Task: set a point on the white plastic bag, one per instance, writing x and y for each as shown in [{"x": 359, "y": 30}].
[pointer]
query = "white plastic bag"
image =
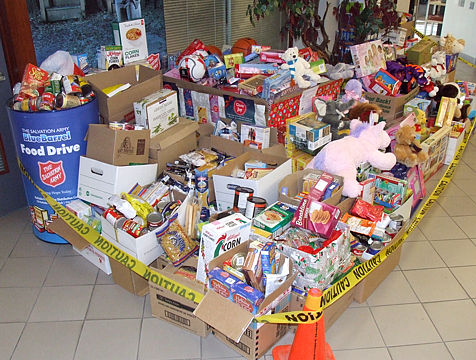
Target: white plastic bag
[{"x": 60, "y": 62}]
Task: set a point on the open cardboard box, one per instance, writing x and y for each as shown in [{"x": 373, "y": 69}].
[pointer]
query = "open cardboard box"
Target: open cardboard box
[
  {"x": 392, "y": 106},
  {"x": 294, "y": 183},
  {"x": 175, "y": 309},
  {"x": 169, "y": 145},
  {"x": 143, "y": 82},
  {"x": 98, "y": 181},
  {"x": 118, "y": 147},
  {"x": 81, "y": 246},
  {"x": 266, "y": 187},
  {"x": 213, "y": 306}
]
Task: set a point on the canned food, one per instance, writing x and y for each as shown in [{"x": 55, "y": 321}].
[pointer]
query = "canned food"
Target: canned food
[
  {"x": 133, "y": 228},
  {"x": 87, "y": 91},
  {"x": 358, "y": 250},
  {"x": 241, "y": 195},
  {"x": 67, "y": 101},
  {"x": 113, "y": 216},
  {"x": 47, "y": 102},
  {"x": 154, "y": 220},
  {"x": 238, "y": 260},
  {"x": 33, "y": 104},
  {"x": 375, "y": 247},
  {"x": 396, "y": 222},
  {"x": 254, "y": 205},
  {"x": 391, "y": 232}
]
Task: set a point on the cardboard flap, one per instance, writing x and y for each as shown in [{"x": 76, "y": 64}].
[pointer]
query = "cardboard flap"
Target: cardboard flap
[
  {"x": 169, "y": 137},
  {"x": 62, "y": 229},
  {"x": 212, "y": 309}
]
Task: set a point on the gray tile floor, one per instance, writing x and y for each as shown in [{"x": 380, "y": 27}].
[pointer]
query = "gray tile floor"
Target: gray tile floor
[{"x": 56, "y": 305}]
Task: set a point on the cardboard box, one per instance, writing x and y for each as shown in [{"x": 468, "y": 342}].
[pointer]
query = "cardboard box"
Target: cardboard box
[
  {"x": 115, "y": 108},
  {"x": 158, "y": 111},
  {"x": 169, "y": 145},
  {"x": 392, "y": 106},
  {"x": 128, "y": 279},
  {"x": 366, "y": 287},
  {"x": 132, "y": 37},
  {"x": 175, "y": 309},
  {"x": 118, "y": 147},
  {"x": 450, "y": 76},
  {"x": 409, "y": 26},
  {"x": 421, "y": 52},
  {"x": 80, "y": 245},
  {"x": 213, "y": 305},
  {"x": 294, "y": 183},
  {"x": 266, "y": 187},
  {"x": 98, "y": 181},
  {"x": 256, "y": 342},
  {"x": 145, "y": 248}
]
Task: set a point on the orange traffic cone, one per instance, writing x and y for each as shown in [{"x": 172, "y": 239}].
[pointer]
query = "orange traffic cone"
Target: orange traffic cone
[{"x": 310, "y": 340}]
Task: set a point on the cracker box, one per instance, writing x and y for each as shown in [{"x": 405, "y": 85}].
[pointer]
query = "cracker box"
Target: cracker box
[
  {"x": 158, "y": 111},
  {"x": 274, "y": 220},
  {"x": 131, "y": 36},
  {"x": 220, "y": 236},
  {"x": 320, "y": 218}
]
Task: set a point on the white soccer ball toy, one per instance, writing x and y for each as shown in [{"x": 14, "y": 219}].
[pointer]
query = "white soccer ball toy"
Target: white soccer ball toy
[{"x": 195, "y": 65}]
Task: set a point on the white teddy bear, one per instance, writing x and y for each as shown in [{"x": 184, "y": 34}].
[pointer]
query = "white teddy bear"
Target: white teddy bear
[
  {"x": 438, "y": 66},
  {"x": 298, "y": 67}
]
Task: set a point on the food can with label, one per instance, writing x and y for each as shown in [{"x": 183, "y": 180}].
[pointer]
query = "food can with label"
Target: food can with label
[
  {"x": 254, "y": 205},
  {"x": 154, "y": 220},
  {"x": 238, "y": 260},
  {"x": 358, "y": 249},
  {"x": 67, "y": 101},
  {"x": 242, "y": 194},
  {"x": 133, "y": 228},
  {"x": 113, "y": 216},
  {"x": 47, "y": 102},
  {"x": 375, "y": 247}
]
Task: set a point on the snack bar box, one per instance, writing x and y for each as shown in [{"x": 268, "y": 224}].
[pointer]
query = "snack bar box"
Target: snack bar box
[
  {"x": 98, "y": 181},
  {"x": 213, "y": 306},
  {"x": 265, "y": 187}
]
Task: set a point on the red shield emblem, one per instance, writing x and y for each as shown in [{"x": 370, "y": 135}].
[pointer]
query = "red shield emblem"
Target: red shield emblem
[{"x": 52, "y": 173}]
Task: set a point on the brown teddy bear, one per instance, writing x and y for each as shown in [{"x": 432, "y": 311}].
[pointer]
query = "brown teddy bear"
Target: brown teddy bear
[{"x": 408, "y": 150}]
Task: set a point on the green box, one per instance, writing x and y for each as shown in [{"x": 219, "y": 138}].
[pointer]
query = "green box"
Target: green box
[{"x": 421, "y": 52}]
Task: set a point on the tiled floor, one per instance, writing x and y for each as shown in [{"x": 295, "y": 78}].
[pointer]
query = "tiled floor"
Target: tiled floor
[{"x": 56, "y": 305}]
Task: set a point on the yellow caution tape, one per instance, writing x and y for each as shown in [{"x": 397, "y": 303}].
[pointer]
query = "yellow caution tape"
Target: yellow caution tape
[
  {"x": 329, "y": 296},
  {"x": 466, "y": 62}
]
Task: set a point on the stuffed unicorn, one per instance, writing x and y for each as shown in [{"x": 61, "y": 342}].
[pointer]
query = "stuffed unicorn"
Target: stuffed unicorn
[{"x": 343, "y": 156}]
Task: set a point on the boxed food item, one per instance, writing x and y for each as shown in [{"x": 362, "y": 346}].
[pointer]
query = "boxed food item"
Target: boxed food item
[
  {"x": 118, "y": 147},
  {"x": 274, "y": 220},
  {"x": 110, "y": 57},
  {"x": 318, "y": 217},
  {"x": 158, "y": 111},
  {"x": 143, "y": 81},
  {"x": 132, "y": 37},
  {"x": 218, "y": 237}
]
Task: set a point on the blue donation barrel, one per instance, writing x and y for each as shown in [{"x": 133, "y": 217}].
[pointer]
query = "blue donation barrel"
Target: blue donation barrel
[{"x": 49, "y": 145}]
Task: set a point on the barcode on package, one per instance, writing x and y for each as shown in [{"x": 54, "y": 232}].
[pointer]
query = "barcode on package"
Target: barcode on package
[{"x": 177, "y": 318}]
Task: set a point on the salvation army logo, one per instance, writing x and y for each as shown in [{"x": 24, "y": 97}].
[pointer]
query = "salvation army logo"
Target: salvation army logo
[
  {"x": 52, "y": 173},
  {"x": 239, "y": 107}
]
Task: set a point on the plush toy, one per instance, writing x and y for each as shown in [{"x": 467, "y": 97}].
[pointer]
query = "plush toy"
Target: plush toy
[
  {"x": 363, "y": 112},
  {"x": 437, "y": 70},
  {"x": 340, "y": 71},
  {"x": 298, "y": 67},
  {"x": 451, "y": 45},
  {"x": 334, "y": 114},
  {"x": 420, "y": 118},
  {"x": 342, "y": 157},
  {"x": 407, "y": 149},
  {"x": 353, "y": 91}
]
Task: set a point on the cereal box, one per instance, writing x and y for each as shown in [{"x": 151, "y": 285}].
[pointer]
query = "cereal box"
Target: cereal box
[
  {"x": 131, "y": 35},
  {"x": 220, "y": 236}
]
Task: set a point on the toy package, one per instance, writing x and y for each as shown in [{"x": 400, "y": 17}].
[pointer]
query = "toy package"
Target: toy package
[
  {"x": 389, "y": 191},
  {"x": 255, "y": 137},
  {"x": 368, "y": 58},
  {"x": 309, "y": 135},
  {"x": 385, "y": 83},
  {"x": 446, "y": 112}
]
